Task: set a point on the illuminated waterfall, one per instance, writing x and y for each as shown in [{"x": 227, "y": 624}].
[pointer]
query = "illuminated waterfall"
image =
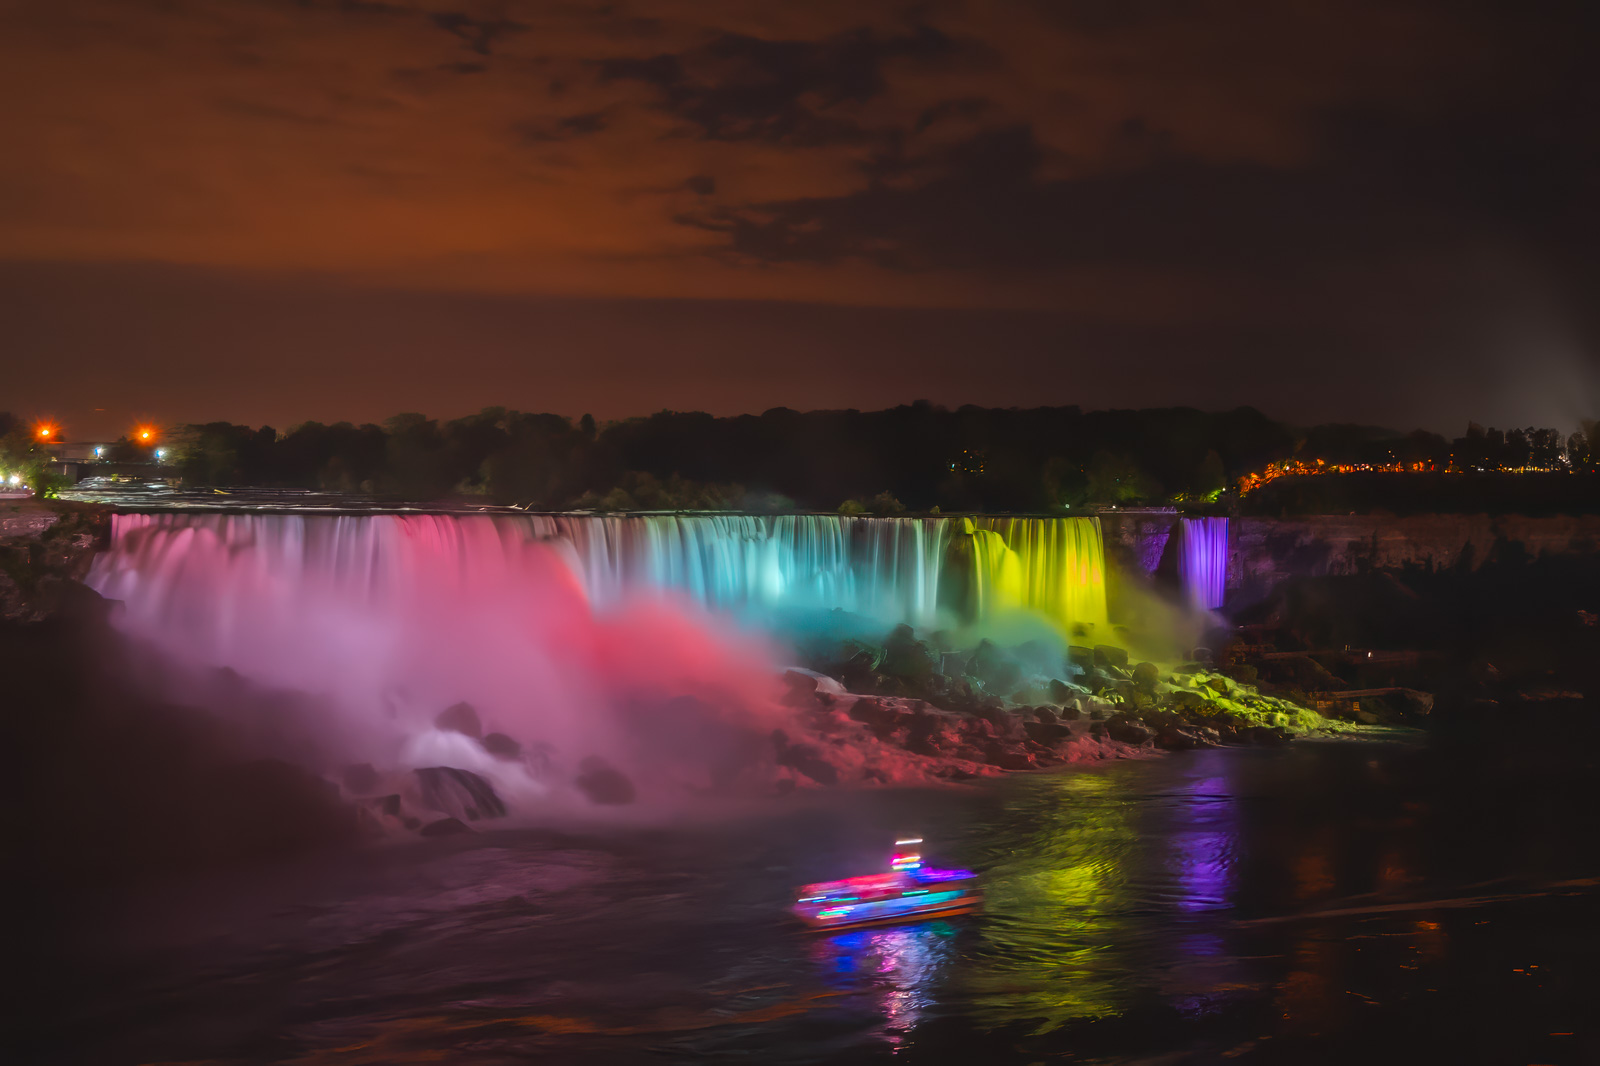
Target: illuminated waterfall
[
  {"x": 892, "y": 569},
  {"x": 1203, "y": 564}
]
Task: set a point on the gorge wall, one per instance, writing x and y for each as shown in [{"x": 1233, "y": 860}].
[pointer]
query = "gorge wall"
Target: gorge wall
[{"x": 1262, "y": 552}]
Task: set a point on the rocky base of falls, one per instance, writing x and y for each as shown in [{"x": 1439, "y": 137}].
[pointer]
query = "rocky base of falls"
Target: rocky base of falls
[{"x": 990, "y": 710}]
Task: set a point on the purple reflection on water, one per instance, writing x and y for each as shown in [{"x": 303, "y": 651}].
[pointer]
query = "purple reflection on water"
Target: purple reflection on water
[
  {"x": 1204, "y": 846},
  {"x": 898, "y": 967}
]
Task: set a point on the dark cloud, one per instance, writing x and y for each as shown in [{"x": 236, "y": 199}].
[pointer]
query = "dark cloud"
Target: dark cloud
[
  {"x": 563, "y": 129},
  {"x": 987, "y": 208},
  {"x": 738, "y": 87},
  {"x": 478, "y": 35}
]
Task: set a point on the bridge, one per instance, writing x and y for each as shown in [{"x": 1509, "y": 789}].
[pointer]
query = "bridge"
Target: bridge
[{"x": 78, "y": 469}]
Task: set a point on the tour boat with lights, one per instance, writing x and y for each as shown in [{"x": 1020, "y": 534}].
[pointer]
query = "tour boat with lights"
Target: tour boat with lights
[{"x": 910, "y": 891}]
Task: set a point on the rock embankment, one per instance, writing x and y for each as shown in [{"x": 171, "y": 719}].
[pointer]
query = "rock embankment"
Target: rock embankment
[{"x": 45, "y": 552}]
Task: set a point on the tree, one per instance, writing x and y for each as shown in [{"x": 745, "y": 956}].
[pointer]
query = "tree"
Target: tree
[{"x": 1117, "y": 479}]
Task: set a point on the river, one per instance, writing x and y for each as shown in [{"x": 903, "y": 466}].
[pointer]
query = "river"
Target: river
[{"x": 1331, "y": 902}]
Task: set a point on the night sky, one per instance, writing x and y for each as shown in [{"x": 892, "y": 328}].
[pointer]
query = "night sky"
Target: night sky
[{"x": 271, "y": 211}]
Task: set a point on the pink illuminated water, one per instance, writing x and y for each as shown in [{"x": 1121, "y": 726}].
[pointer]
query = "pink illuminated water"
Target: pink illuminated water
[{"x": 380, "y": 622}]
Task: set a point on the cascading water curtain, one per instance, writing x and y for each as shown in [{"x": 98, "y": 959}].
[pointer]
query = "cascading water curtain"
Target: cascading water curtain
[
  {"x": 1203, "y": 564},
  {"x": 1060, "y": 566},
  {"x": 892, "y": 569}
]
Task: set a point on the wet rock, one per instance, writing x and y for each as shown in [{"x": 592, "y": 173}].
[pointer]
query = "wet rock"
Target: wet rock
[
  {"x": 1185, "y": 701},
  {"x": 802, "y": 688},
  {"x": 1081, "y": 657},
  {"x": 1179, "y": 738},
  {"x": 990, "y": 666},
  {"x": 390, "y": 805},
  {"x": 456, "y": 792},
  {"x": 445, "y": 827},
  {"x": 603, "y": 783},
  {"x": 1070, "y": 712},
  {"x": 907, "y": 658},
  {"x": 460, "y": 718},
  {"x": 1046, "y": 733},
  {"x": 360, "y": 779},
  {"x": 1146, "y": 676},
  {"x": 1008, "y": 758},
  {"x": 1044, "y": 714},
  {"x": 1129, "y": 731},
  {"x": 501, "y": 746},
  {"x": 1060, "y": 691},
  {"x": 1106, "y": 655},
  {"x": 1004, "y": 722},
  {"x": 804, "y": 758},
  {"x": 1267, "y": 736}
]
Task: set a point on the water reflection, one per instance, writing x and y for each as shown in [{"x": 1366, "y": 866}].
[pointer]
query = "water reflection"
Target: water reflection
[
  {"x": 901, "y": 967},
  {"x": 1058, "y": 865}
]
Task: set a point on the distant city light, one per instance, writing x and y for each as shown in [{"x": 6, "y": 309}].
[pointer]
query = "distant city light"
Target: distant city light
[
  {"x": 45, "y": 432},
  {"x": 98, "y": 451},
  {"x": 16, "y": 480},
  {"x": 161, "y": 453}
]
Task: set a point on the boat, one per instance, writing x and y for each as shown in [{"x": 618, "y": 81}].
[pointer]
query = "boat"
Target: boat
[{"x": 910, "y": 891}]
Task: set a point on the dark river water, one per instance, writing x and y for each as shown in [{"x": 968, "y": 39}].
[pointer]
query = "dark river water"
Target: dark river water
[{"x": 1326, "y": 903}]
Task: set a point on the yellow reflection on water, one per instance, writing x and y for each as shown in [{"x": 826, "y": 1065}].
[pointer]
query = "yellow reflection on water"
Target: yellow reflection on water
[{"x": 1057, "y": 895}]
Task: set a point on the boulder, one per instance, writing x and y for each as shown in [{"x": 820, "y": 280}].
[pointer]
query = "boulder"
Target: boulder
[
  {"x": 1267, "y": 736},
  {"x": 460, "y": 718},
  {"x": 1129, "y": 731},
  {"x": 603, "y": 783},
  {"x": 1107, "y": 655},
  {"x": 907, "y": 658},
  {"x": 804, "y": 758},
  {"x": 1081, "y": 657},
  {"x": 444, "y": 827},
  {"x": 1180, "y": 738},
  {"x": 1045, "y": 714},
  {"x": 1059, "y": 691},
  {"x": 1070, "y": 712},
  {"x": 501, "y": 746},
  {"x": 1146, "y": 676},
  {"x": 990, "y": 666},
  {"x": 459, "y": 793},
  {"x": 1009, "y": 759},
  {"x": 802, "y": 688},
  {"x": 1046, "y": 733}
]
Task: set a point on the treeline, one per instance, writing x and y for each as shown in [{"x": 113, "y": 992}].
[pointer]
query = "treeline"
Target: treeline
[
  {"x": 1479, "y": 449},
  {"x": 916, "y": 456}
]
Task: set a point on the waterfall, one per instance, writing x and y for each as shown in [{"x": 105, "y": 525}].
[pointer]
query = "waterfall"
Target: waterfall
[
  {"x": 923, "y": 571},
  {"x": 1203, "y": 564},
  {"x": 577, "y": 641}
]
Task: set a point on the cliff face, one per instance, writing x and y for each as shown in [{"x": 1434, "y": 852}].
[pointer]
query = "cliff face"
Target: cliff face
[
  {"x": 45, "y": 551},
  {"x": 1265, "y": 551}
]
